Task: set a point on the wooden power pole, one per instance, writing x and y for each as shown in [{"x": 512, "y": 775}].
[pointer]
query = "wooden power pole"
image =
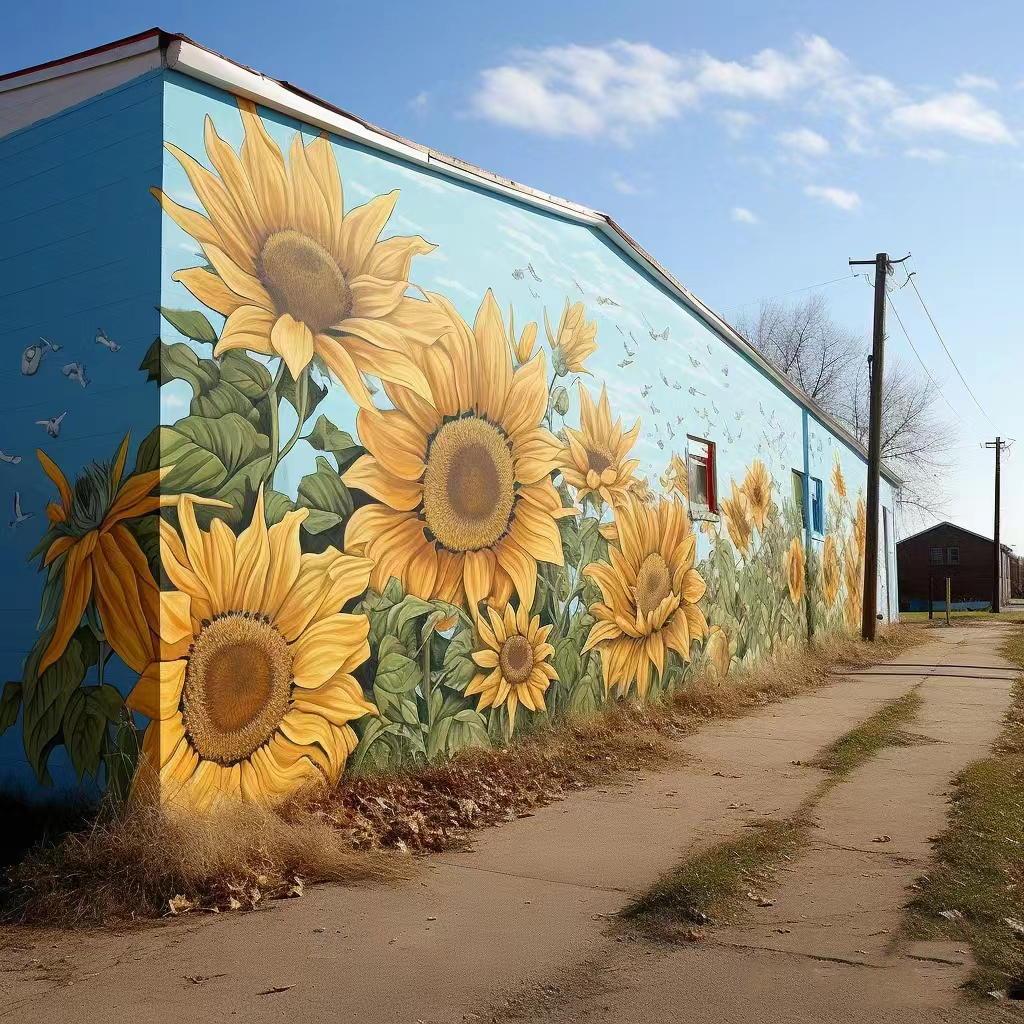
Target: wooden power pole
[
  {"x": 997, "y": 561},
  {"x": 883, "y": 267}
]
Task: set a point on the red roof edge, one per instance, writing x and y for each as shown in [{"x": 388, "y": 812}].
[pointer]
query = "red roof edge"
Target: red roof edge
[{"x": 165, "y": 36}]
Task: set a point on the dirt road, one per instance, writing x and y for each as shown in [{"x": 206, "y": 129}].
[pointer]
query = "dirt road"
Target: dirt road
[{"x": 519, "y": 925}]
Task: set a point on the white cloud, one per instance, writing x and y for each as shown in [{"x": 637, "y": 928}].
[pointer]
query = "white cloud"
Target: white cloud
[
  {"x": 929, "y": 154},
  {"x": 420, "y": 102},
  {"x": 620, "y": 184},
  {"x": 457, "y": 286},
  {"x": 736, "y": 122},
  {"x": 585, "y": 91},
  {"x": 953, "y": 113},
  {"x": 843, "y": 198},
  {"x": 969, "y": 81},
  {"x": 805, "y": 141},
  {"x": 771, "y": 75},
  {"x": 742, "y": 215}
]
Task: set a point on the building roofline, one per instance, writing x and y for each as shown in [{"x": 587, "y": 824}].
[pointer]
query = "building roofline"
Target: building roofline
[
  {"x": 946, "y": 522},
  {"x": 188, "y": 57}
]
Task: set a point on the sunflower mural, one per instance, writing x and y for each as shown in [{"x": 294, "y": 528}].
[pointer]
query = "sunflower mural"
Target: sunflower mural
[{"x": 387, "y": 524}]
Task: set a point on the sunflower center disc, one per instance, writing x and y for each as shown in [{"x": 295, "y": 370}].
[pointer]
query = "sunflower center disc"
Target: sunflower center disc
[
  {"x": 653, "y": 583},
  {"x": 304, "y": 280},
  {"x": 516, "y": 659},
  {"x": 237, "y": 687},
  {"x": 468, "y": 486},
  {"x": 600, "y": 459}
]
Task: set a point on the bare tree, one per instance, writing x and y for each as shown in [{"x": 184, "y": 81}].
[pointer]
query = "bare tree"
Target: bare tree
[
  {"x": 816, "y": 352},
  {"x": 829, "y": 363}
]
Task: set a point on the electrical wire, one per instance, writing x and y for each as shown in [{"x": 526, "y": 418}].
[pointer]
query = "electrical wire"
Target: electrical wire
[
  {"x": 935, "y": 383},
  {"x": 931, "y": 320},
  {"x": 768, "y": 298}
]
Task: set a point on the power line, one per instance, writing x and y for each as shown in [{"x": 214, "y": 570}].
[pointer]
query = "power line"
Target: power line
[
  {"x": 931, "y": 320},
  {"x": 781, "y": 295},
  {"x": 923, "y": 367}
]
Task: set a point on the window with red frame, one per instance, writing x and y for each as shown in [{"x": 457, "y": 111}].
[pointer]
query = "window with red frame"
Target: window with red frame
[{"x": 700, "y": 471}]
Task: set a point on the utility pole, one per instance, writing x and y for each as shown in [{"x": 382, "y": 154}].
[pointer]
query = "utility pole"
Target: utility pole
[
  {"x": 883, "y": 267},
  {"x": 997, "y": 561}
]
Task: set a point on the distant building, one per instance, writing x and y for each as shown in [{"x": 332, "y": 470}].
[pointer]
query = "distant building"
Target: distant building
[{"x": 926, "y": 559}]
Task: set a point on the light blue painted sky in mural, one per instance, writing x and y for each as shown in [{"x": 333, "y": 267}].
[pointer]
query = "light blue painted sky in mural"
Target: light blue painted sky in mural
[{"x": 746, "y": 176}]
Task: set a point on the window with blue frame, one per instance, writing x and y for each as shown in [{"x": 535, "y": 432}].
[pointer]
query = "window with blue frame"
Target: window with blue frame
[{"x": 817, "y": 506}]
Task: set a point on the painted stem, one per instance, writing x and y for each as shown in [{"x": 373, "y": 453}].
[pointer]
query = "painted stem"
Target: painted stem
[
  {"x": 274, "y": 426},
  {"x": 301, "y": 389}
]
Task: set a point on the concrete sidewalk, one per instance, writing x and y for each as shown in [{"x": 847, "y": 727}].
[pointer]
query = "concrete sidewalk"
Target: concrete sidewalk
[{"x": 527, "y": 906}]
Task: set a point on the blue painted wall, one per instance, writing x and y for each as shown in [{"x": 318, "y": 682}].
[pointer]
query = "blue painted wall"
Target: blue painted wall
[{"x": 79, "y": 250}]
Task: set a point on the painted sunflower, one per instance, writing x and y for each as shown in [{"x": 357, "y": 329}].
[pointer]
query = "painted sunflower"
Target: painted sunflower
[
  {"x": 464, "y": 504},
  {"x": 853, "y": 577},
  {"x": 101, "y": 558},
  {"x": 719, "y": 652},
  {"x": 574, "y": 342},
  {"x": 860, "y": 527},
  {"x": 838, "y": 483},
  {"x": 738, "y": 519},
  {"x": 294, "y": 274},
  {"x": 523, "y": 348},
  {"x": 650, "y": 591},
  {"x": 674, "y": 479},
  {"x": 251, "y": 694},
  {"x": 794, "y": 564},
  {"x": 830, "y": 570},
  {"x": 757, "y": 486},
  {"x": 597, "y": 465},
  {"x": 516, "y": 659}
]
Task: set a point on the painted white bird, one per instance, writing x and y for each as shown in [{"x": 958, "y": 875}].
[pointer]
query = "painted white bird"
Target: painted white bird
[
  {"x": 102, "y": 339},
  {"x": 14, "y": 460},
  {"x": 75, "y": 372},
  {"x": 53, "y": 424},
  {"x": 19, "y": 516},
  {"x": 50, "y": 345}
]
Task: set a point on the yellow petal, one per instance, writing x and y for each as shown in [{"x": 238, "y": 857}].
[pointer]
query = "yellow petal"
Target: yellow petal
[
  {"x": 323, "y": 647},
  {"x": 247, "y": 327},
  {"x": 52, "y": 470},
  {"x": 252, "y": 561},
  {"x": 78, "y": 578},
  {"x": 293, "y": 341},
  {"x": 157, "y": 694},
  {"x": 264, "y": 165},
  {"x": 360, "y": 230}
]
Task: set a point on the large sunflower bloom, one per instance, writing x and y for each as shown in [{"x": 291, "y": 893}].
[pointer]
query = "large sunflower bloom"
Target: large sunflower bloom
[
  {"x": 102, "y": 559},
  {"x": 294, "y": 274},
  {"x": 574, "y": 340},
  {"x": 738, "y": 518},
  {"x": 794, "y": 564},
  {"x": 464, "y": 504},
  {"x": 252, "y": 692},
  {"x": 650, "y": 593},
  {"x": 516, "y": 662},
  {"x": 597, "y": 465},
  {"x": 757, "y": 486},
  {"x": 830, "y": 570}
]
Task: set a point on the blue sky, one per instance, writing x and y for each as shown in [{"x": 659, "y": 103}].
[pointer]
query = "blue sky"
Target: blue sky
[{"x": 752, "y": 151}]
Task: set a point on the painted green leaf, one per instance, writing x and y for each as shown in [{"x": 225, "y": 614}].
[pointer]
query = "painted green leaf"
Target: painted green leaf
[
  {"x": 45, "y": 698},
  {"x": 276, "y": 505},
  {"x": 403, "y": 614},
  {"x": 566, "y": 660},
  {"x": 245, "y": 373},
  {"x": 221, "y": 399},
  {"x": 84, "y": 725},
  {"x": 570, "y": 535},
  {"x": 326, "y": 437},
  {"x": 326, "y": 497},
  {"x": 206, "y": 452},
  {"x": 458, "y": 667},
  {"x": 189, "y": 322},
  {"x": 397, "y": 673},
  {"x": 10, "y": 703},
  {"x": 314, "y": 395},
  {"x": 560, "y": 400},
  {"x": 593, "y": 547},
  {"x": 164, "y": 363}
]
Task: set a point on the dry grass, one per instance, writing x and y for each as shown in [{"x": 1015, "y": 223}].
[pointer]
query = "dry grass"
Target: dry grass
[
  {"x": 149, "y": 863},
  {"x": 130, "y": 865},
  {"x": 975, "y": 894}
]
